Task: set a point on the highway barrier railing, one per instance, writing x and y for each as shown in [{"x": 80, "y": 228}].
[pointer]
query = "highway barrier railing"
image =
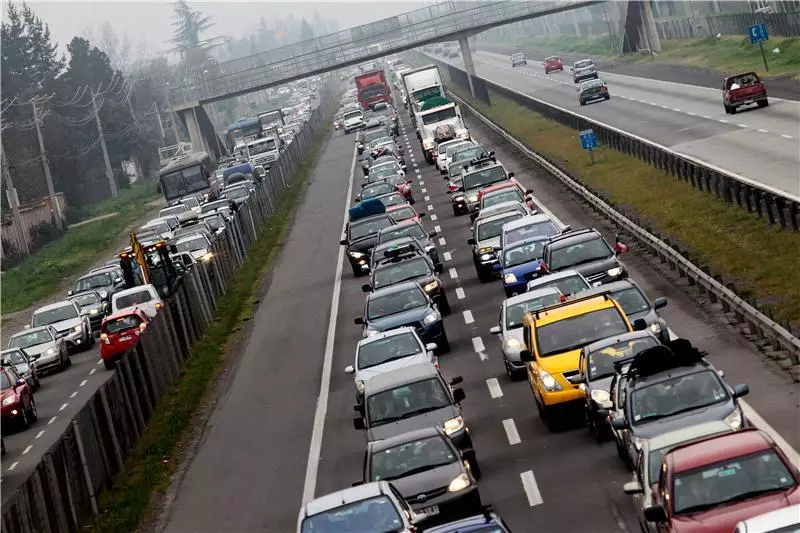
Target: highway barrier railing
[
  {"x": 779, "y": 207},
  {"x": 61, "y": 493}
]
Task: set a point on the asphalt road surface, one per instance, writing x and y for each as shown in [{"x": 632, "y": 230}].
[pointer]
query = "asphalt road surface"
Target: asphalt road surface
[
  {"x": 762, "y": 145},
  {"x": 282, "y": 429}
]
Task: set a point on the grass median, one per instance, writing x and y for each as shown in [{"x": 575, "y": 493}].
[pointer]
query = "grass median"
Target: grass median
[
  {"x": 45, "y": 271},
  {"x": 759, "y": 258},
  {"x": 146, "y": 472}
]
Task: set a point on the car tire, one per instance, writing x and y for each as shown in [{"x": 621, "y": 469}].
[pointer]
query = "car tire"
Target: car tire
[
  {"x": 23, "y": 422},
  {"x": 763, "y": 103},
  {"x": 483, "y": 276},
  {"x": 733, "y": 109},
  {"x": 608, "y": 97},
  {"x": 514, "y": 374},
  {"x": 33, "y": 414},
  {"x": 597, "y": 432},
  {"x": 110, "y": 364},
  {"x": 356, "y": 271},
  {"x": 582, "y": 102}
]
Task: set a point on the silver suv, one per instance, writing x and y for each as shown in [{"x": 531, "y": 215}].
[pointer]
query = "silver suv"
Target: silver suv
[{"x": 583, "y": 70}]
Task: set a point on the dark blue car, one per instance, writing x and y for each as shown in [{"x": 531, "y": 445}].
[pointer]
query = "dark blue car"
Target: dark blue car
[
  {"x": 520, "y": 264},
  {"x": 488, "y": 522}
]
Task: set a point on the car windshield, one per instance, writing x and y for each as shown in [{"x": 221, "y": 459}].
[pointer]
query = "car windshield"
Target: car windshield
[
  {"x": 375, "y": 190},
  {"x": 537, "y": 229},
  {"x": 515, "y": 312},
  {"x": 86, "y": 299},
  {"x": 361, "y": 229},
  {"x": 511, "y": 194},
  {"x": 462, "y": 154},
  {"x": 451, "y": 150},
  {"x": 523, "y": 253},
  {"x": 579, "y": 253},
  {"x": 632, "y": 300},
  {"x": 207, "y": 208},
  {"x": 387, "y": 349},
  {"x": 411, "y": 458},
  {"x": 93, "y": 282},
  {"x": 190, "y": 202},
  {"x": 174, "y": 210},
  {"x": 266, "y": 145},
  {"x": 438, "y": 116},
  {"x": 26, "y": 340},
  {"x": 198, "y": 243},
  {"x": 392, "y": 273},
  {"x": 215, "y": 222},
  {"x": 492, "y": 228},
  {"x": 551, "y": 59},
  {"x": 396, "y": 302},
  {"x": 600, "y": 363},
  {"x": 122, "y": 324},
  {"x": 133, "y": 299},
  {"x": 392, "y": 199},
  {"x": 374, "y": 134},
  {"x": 158, "y": 227},
  {"x": 404, "y": 402},
  {"x": 15, "y": 357},
  {"x": 484, "y": 178},
  {"x": 353, "y": 114},
  {"x": 729, "y": 481},
  {"x": 365, "y": 516},
  {"x": 567, "y": 285},
  {"x": 51, "y": 316},
  {"x": 406, "y": 230},
  {"x": 384, "y": 170},
  {"x": 404, "y": 213},
  {"x": 591, "y": 84},
  {"x": 574, "y": 332},
  {"x": 676, "y": 395}
]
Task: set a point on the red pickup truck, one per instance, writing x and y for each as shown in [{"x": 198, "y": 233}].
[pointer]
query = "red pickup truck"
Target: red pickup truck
[{"x": 743, "y": 89}]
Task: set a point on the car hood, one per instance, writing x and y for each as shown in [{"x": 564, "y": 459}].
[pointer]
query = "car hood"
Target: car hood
[
  {"x": 65, "y": 325},
  {"x": 39, "y": 349},
  {"x": 434, "y": 418},
  {"x": 397, "y": 364},
  {"x": 399, "y": 319},
  {"x": 87, "y": 310},
  {"x": 22, "y": 368},
  {"x": 724, "y": 518},
  {"x": 664, "y": 425},
  {"x": 494, "y": 242},
  {"x": 563, "y": 362},
  {"x": 524, "y": 268},
  {"x": 650, "y": 316},
  {"x": 427, "y": 481},
  {"x": 595, "y": 267}
]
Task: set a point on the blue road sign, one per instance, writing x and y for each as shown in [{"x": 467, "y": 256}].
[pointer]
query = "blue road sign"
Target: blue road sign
[
  {"x": 757, "y": 33},
  {"x": 588, "y": 140}
]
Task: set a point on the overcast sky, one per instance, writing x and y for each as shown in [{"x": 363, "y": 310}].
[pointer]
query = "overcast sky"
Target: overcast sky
[{"x": 149, "y": 22}]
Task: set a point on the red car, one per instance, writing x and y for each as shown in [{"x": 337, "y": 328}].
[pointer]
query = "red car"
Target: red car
[
  {"x": 18, "y": 406},
  {"x": 553, "y": 63},
  {"x": 401, "y": 213},
  {"x": 743, "y": 89},
  {"x": 119, "y": 332},
  {"x": 710, "y": 485}
]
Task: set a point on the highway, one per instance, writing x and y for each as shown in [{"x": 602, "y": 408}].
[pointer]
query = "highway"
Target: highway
[
  {"x": 281, "y": 429},
  {"x": 760, "y": 144}
]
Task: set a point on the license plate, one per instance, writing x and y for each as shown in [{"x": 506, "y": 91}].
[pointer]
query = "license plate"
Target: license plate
[
  {"x": 433, "y": 510},
  {"x": 125, "y": 338},
  {"x": 748, "y": 101}
]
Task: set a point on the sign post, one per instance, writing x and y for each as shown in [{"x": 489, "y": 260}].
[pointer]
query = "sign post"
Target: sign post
[
  {"x": 589, "y": 142},
  {"x": 758, "y": 34}
]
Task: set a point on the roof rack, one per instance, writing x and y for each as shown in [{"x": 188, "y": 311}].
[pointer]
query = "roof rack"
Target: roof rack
[
  {"x": 568, "y": 302},
  {"x": 673, "y": 354},
  {"x": 481, "y": 159},
  {"x": 395, "y": 252}
]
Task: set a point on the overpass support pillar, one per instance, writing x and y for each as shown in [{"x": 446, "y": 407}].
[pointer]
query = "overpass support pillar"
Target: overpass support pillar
[
  {"x": 466, "y": 54},
  {"x": 649, "y": 29}
]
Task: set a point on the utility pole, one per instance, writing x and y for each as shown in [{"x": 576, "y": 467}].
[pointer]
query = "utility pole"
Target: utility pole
[
  {"x": 109, "y": 173},
  {"x": 13, "y": 201},
  {"x": 160, "y": 125},
  {"x": 46, "y": 167}
]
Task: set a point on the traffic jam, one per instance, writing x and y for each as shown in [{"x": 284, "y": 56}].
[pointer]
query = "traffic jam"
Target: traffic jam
[{"x": 571, "y": 322}]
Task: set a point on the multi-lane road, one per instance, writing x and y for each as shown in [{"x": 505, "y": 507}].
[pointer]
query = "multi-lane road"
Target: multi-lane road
[
  {"x": 282, "y": 432},
  {"x": 762, "y": 145}
]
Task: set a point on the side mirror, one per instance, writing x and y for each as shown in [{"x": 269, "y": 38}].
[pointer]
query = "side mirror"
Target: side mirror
[
  {"x": 456, "y": 380},
  {"x": 357, "y": 198},
  {"x": 366, "y": 288},
  {"x": 358, "y": 423},
  {"x": 471, "y": 241},
  {"x": 421, "y": 215},
  {"x": 655, "y": 513},
  {"x": 660, "y": 303},
  {"x": 343, "y": 242},
  {"x": 458, "y": 395},
  {"x": 618, "y": 423},
  {"x": 495, "y": 330},
  {"x": 449, "y": 191},
  {"x": 632, "y": 487},
  {"x": 431, "y": 346},
  {"x": 69, "y": 292},
  {"x": 511, "y": 175},
  {"x": 639, "y": 324},
  {"x": 349, "y": 369},
  {"x": 358, "y": 408},
  {"x": 439, "y": 268},
  {"x": 433, "y": 234},
  {"x": 27, "y": 326},
  {"x": 403, "y": 168},
  {"x": 358, "y": 320},
  {"x": 576, "y": 379},
  {"x": 721, "y": 373},
  {"x": 741, "y": 390},
  {"x": 20, "y": 382},
  {"x": 526, "y": 356}
]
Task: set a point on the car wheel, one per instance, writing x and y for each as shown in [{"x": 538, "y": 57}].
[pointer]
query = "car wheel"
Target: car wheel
[
  {"x": 763, "y": 103},
  {"x": 110, "y": 364},
  {"x": 608, "y": 97},
  {"x": 23, "y": 422},
  {"x": 733, "y": 110},
  {"x": 484, "y": 276},
  {"x": 411, "y": 200},
  {"x": 582, "y": 102},
  {"x": 33, "y": 412},
  {"x": 594, "y": 429}
]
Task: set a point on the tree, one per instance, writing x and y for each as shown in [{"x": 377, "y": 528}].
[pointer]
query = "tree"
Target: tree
[
  {"x": 306, "y": 31},
  {"x": 189, "y": 24}
]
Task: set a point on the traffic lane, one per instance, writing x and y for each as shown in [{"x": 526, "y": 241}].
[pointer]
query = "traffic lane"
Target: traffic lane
[
  {"x": 773, "y": 395},
  {"x": 256, "y": 440},
  {"x": 59, "y": 399}
]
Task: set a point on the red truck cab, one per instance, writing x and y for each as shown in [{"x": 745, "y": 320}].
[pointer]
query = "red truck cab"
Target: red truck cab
[
  {"x": 743, "y": 89},
  {"x": 713, "y": 484},
  {"x": 372, "y": 88}
]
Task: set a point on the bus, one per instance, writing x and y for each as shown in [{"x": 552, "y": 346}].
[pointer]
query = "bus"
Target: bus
[
  {"x": 190, "y": 175},
  {"x": 240, "y": 129}
]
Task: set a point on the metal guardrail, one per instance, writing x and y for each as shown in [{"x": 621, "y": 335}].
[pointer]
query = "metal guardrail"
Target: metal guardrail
[
  {"x": 780, "y": 208},
  {"x": 61, "y": 493},
  {"x": 757, "y": 322}
]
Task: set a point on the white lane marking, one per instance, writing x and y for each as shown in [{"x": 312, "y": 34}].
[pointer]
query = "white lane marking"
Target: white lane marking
[
  {"x": 51, "y": 420},
  {"x": 13, "y": 466},
  {"x": 438, "y": 229},
  {"x": 786, "y": 136},
  {"x": 434, "y": 217},
  {"x": 427, "y": 198},
  {"x": 63, "y": 406},
  {"x": 468, "y": 318},
  {"x": 447, "y": 256},
  {"x": 722, "y": 120},
  {"x": 71, "y": 396},
  {"x": 84, "y": 382},
  {"x": 460, "y": 293},
  {"x": 421, "y": 183},
  {"x": 531, "y": 488},
  {"x": 27, "y": 449},
  {"x": 92, "y": 371},
  {"x": 691, "y": 114},
  {"x": 315, "y": 448},
  {"x": 39, "y": 434},
  {"x": 676, "y": 109},
  {"x": 430, "y": 207},
  {"x": 742, "y": 125},
  {"x": 415, "y": 165},
  {"x": 511, "y": 433},
  {"x": 416, "y": 170},
  {"x": 453, "y": 273},
  {"x": 494, "y": 388},
  {"x": 709, "y": 118},
  {"x": 477, "y": 343},
  {"x": 762, "y": 130},
  {"x": 424, "y": 190},
  {"x": 100, "y": 362},
  {"x": 442, "y": 242}
]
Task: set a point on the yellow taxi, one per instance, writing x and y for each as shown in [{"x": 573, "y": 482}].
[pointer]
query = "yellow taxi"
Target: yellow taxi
[{"x": 553, "y": 339}]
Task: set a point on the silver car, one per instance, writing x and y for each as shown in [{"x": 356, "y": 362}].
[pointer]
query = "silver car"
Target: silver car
[
  {"x": 583, "y": 69},
  {"x": 44, "y": 345},
  {"x": 66, "y": 318},
  {"x": 23, "y": 364},
  {"x": 509, "y": 330}
]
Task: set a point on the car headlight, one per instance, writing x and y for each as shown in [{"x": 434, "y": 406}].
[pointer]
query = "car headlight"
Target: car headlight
[
  {"x": 510, "y": 278},
  {"x": 206, "y": 257},
  {"x": 459, "y": 483},
  {"x": 13, "y": 399},
  {"x": 453, "y": 425},
  {"x": 50, "y": 351},
  {"x": 512, "y": 343},
  {"x": 601, "y": 398},
  {"x": 430, "y": 318},
  {"x": 360, "y": 386},
  {"x": 429, "y": 248},
  {"x": 432, "y": 286},
  {"x": 549, "y": 382},
  {"x": 614, "y": 272},
  {"x": 472, "y": 197},
  {"x": 103, "y": 294},
  {"x": 94, "y": 311},
  {"x": 356, "y": 255},
  {"x": 734, "y": 420},
  {"x": 458, "y": 198},
  {"x": 77, "y": 329},
  {"x": 655, "y": 328},
  {"x": 486, "y": 257}
]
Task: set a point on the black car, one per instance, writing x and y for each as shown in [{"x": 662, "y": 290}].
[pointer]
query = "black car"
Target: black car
[
  {"x": 428, "y": 470},
  {"x": 92, "y": 306},
  {"x": 596, "y": 371},
  {"x": 379, "y": 252},
  {"x": 105, "y": 280},
  {"x": 387, "y": 115},
  {"x": 587, "y": 252},
  {"x": 361, "y": 236},
  {"x": 592, "y": 90}
]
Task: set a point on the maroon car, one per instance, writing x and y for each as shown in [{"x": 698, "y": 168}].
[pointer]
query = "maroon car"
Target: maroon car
[
  {"x": 18, "y": 405},
  {"x": 743, "y": 89}
]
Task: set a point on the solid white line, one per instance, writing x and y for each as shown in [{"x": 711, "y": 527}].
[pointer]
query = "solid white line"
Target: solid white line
[
  {"x": 676, "y": 109},
  {"x": 438, "y": 229},
  {"x": 460, "y": 293},
  {"x": 442, "y": 242},
  {"x": 477, "y": 342},
  {"x": 71, "y": 396},
  {"x": 27, "y": 449},
  {"x": 51, "y": 420},
  {"x": 315, "y": 448},
  {"x": 468, "y": 318},
  {"x": 13, "y": 466},
  {"x": 709, "y": 118},
  {"x": 494, "y": 388},
  {"x": 434, "y": 217},
  {"x": 447, "y": 256},
  {"x": 39, "y": 434},
  {"x": 430, "y": 207},
  {"x": 511, "y": 433},
  {"x": 92, "y": 371},
  {"x": 531, "y": 488},
  {"x": 84, "y": 382},
  {"x": 100, "y": 362},
  {"x": 756, "y": 419}
]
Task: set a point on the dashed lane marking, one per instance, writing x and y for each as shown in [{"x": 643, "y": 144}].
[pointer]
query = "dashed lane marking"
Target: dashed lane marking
[
  {"x": 494, "y": 388},
  {"x": 434, "y": 217},
  {"x": 13, "y": 466},
  {"x": 762, "y": 130},
  {"x": 39, "y": 434},
  {"x": 742, "y": 125},
  {"x": 468, "y": 318},
  {"x": 51, "y": 420},
  {"x": 63, "y": 406},
  {"x": 531, "y": 488},
  {"x": 442, "y": 242},
  {"x": 427, "y": 198},
  {"x": 438, "y": 229},
  {"x": 71, "y": 396},
  {"x": 430, "y": 207},
  {"x": 460, "y": 293},
  {"x": 100, "y": 362},
  {"x": 424, "y": 190},
  {"x": 721, "y": 120},
  {"x": 453, "y": 273},
  {"x": 447, "y": 256},
  {"x": 785, "y": 136},
  {"x": 92, "y": 371},
  {"x": 84, "y": 382},
  {"x": 511, "y": 433},
  {"x": 27, "y": 449}
]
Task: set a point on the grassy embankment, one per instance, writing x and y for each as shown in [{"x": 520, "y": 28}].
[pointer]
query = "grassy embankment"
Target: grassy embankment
[
  {"x": 760, "y": 259},
  {"x": 124, "y": 506},
  {"x": 725, "y": 54},
  {"x": 45, "y": 271}
]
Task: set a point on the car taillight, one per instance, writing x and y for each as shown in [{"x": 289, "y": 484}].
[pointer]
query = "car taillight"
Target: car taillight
[
  {"x": 104, "y": 338},
  {"x": 142, "y": 326},
  {"x": 452, "y": 187}
]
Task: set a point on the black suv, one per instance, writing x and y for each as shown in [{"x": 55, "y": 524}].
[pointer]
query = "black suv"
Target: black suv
[
  {"x": 361, "y": 236},
  {"x": 587, "y": 252}
]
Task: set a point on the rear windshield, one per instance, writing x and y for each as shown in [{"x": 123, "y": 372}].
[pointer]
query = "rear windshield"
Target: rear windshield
[
  {"x": 484, "y": 178},
  {"x": 122, "y": 324},
  {"x": 584, "y": 64},
  {"x": 132, "y": 299},
  {"x": 574, "y": 332},
  {"x": 364, "y": 516}
]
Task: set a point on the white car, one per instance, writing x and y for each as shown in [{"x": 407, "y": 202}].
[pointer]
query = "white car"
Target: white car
[
  {"x": 353, "y": 120},
  {"x": 450, "y": 150},
  {"x": 145, "y": 297},
  {"x": 388, "y": 351},
  {"x": 781, "y": 520},
  {"x": 196, "y": 244},
  {"x": 65, "y": 317},
  {"x": 174, "y": 210},
  {"x": 160, "y": 226},
  {"x": 442, "y": 161}
]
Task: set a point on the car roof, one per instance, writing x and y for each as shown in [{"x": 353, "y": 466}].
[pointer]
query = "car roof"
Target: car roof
[
  {"x": 673, "y": 438},
  {"x": 105, "y": 269},
  {"x": 576, "y": 236},
  {"x": 30, "y": 330},
  {"x": 470, "y": 523},
  {"x": 496, "y": 216},
  {"x": 123, "y": 313},
  {"x": 614, "y": 339},
  {"x": 400, "y": 376},
  {"x": 767, "y": 522},
  {"x": 397, "y": 287},
  {"x": 385, "y": 334},
  {"x": 530, "y": 295},
  {"x": 56, "y": 305},
  {"x": 527, "y": 220},
  {"x": 526, "y": 241},
  {"x": 502, "y": 207},
  {"x": 417, "y": 434},
  {"x": 720, "y": 448},
  {"x": 614, "y": 286},
  {"x": 484, "y": 165},
  {"x": 189, "y": 237},
  {"x": 9, "y": 350},
  {"x": 345, "y": 497}
]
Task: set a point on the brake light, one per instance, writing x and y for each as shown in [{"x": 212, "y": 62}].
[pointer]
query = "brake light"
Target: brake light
[
  {"x": 562, "y": 298},
  {"x": 142, "y": 326},
  {"x": 452, "y": 187},
  {"x": 104, "y": 338}
]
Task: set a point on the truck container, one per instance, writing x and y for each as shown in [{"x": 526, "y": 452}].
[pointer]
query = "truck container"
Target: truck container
[
  {"x": 372, "y": 88},
  {"x": 421, "y": 83}
]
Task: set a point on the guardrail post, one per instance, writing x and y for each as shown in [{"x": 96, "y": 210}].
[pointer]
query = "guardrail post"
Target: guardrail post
[{"x": 85, "y": 466}]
